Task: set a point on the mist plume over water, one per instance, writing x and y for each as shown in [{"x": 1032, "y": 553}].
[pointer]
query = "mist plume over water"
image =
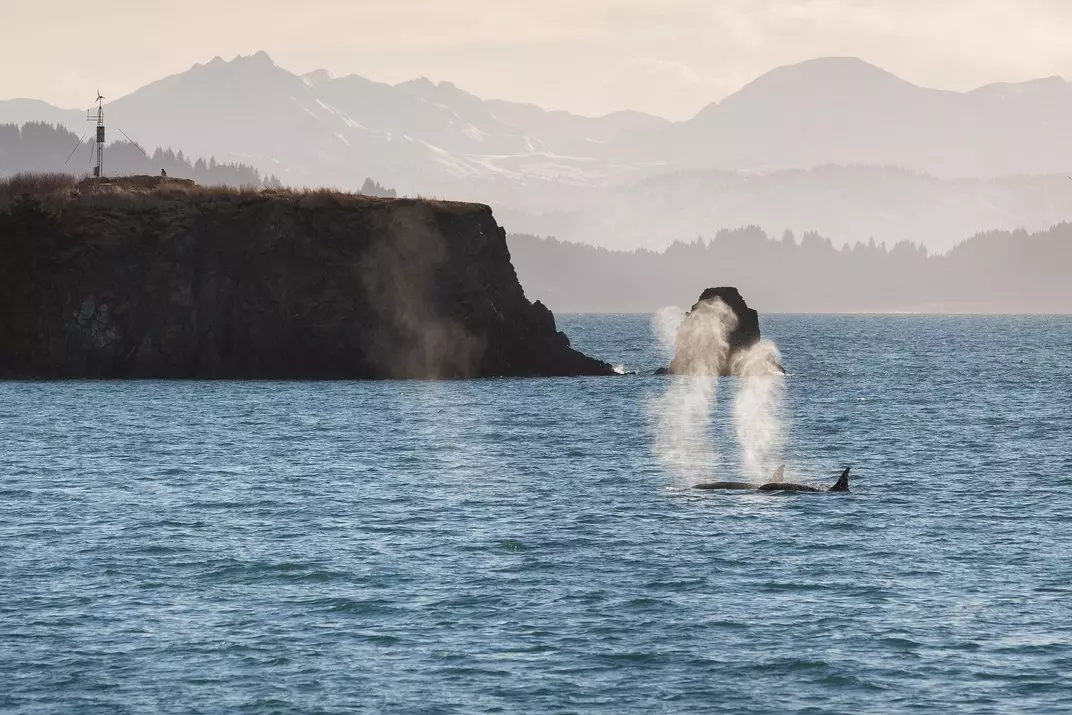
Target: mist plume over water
[
  {"x": 664, "y": 324},
  {"x": 682, "y": 417},
  {"x": 703, "y": 341},
  {"x": 759, "y": 410}
]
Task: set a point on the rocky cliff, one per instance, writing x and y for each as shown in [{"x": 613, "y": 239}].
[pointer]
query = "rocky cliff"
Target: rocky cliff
[
  {"x": 175, "y": 281},
  {"x": 719, "y": 327}
]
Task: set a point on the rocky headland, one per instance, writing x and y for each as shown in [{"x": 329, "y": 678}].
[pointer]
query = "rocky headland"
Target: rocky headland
[{"x": 153, "y": 278}]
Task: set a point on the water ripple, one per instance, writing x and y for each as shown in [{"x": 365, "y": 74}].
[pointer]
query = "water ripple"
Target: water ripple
[{"x": 516, "y": 546}]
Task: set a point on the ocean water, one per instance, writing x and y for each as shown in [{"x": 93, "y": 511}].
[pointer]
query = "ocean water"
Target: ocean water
[{"x": 520, "y": 546}]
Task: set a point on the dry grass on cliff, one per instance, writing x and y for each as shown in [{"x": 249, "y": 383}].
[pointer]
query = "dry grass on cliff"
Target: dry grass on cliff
[
  {"x": 45, "y": 187},
  {"x": 58, "y": 191},
  {"x": 55, "y": 190}
]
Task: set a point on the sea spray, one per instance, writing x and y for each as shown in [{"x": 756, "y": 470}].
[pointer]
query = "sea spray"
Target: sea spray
[
  {"x": 682, "y": 428},
  {"x": 664, "y": 324},
  {"x": 758, "y": 409},
  {"x": 682, "y": 415},
  {"x": 702, "y": 340}
]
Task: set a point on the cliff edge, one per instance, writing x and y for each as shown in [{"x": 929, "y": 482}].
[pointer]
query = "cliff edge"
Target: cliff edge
[{"x": 169, "y": 280}]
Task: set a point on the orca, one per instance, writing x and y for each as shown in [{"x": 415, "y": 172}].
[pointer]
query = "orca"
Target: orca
[
  {"x": 777, "y": 485},
  {"x": 725, "y": 485},
  {"x": 778, "y": 475}
]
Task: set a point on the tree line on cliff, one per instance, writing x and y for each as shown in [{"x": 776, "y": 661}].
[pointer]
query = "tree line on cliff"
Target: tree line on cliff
[
  {"x": 993, "y": 272},
  {"x": 40, "y": 147}
]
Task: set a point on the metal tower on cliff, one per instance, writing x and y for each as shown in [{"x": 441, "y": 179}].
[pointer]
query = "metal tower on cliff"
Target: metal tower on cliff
[{"x": 97, "y": 115}]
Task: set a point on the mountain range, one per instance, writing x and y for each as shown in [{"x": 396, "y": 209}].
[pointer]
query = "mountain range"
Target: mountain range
[
  {"x": 425, "y": 138},
  {"x": 953, "y": 161}
]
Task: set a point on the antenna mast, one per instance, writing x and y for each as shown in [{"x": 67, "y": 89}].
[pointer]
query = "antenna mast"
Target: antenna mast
[{"x": 97, "y": 115}]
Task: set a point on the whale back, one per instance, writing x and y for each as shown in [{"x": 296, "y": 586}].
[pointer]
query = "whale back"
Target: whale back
[
  {"x": 788, "y": 487},
  {"x": 724, "y": 485}
]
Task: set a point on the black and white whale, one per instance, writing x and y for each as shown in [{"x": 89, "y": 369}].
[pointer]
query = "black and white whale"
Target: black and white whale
[
  {"x": 776, "y": 484},
  {"x": 778, "y": 475},
  {"x": 724, "y": 485}
]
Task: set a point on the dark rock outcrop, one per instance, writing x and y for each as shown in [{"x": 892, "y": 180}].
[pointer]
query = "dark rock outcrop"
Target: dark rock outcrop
[
  {"x": 746, "y": 333},
  {"x": 184, "y": 282},
  {"x": 718, "y": 328}
]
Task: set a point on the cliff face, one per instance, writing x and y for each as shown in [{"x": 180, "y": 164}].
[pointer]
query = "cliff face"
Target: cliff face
[{"x": 218, "y": 284}]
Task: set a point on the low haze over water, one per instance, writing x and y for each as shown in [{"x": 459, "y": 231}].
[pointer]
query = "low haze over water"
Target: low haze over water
[{"x": 518, "y": 546}]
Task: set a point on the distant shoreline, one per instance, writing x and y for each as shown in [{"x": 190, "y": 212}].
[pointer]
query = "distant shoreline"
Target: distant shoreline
[{"x": 993, "y": 273}]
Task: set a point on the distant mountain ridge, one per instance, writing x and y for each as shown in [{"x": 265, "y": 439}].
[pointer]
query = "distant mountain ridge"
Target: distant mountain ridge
[
  {"x": 823, "y": 111},
  {"x": 435, "y": 139},
  {"x": 846, "y": 111},
  {"x": 27, "y": 111}
]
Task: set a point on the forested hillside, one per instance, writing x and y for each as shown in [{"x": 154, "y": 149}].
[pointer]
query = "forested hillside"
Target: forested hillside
[{"x": 994, "y": 272}]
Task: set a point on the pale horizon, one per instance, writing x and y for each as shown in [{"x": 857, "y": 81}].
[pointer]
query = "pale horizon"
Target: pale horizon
[{"x": 592, "y": 60}]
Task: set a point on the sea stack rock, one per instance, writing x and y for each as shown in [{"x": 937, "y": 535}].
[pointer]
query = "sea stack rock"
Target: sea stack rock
[
  {"x": 717, "y": 329},
  {"x": 166, "y": 280}
]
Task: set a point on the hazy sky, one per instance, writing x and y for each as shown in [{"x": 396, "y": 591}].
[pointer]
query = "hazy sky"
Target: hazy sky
[{"x": 667, "y": 57}]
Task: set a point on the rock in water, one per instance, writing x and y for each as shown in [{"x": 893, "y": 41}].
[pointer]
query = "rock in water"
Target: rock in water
[
  {"x": 719, "y": 327},
  {"x": 181, "y": 282}
]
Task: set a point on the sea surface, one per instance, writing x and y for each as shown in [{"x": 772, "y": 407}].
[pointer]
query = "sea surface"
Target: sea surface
[{"x": 522, "y": 545}]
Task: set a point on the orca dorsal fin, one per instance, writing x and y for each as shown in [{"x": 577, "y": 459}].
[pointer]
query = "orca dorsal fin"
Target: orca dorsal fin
[
  {"x": 779, "y": 475},
  {"x": 842, "y": 482}
]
